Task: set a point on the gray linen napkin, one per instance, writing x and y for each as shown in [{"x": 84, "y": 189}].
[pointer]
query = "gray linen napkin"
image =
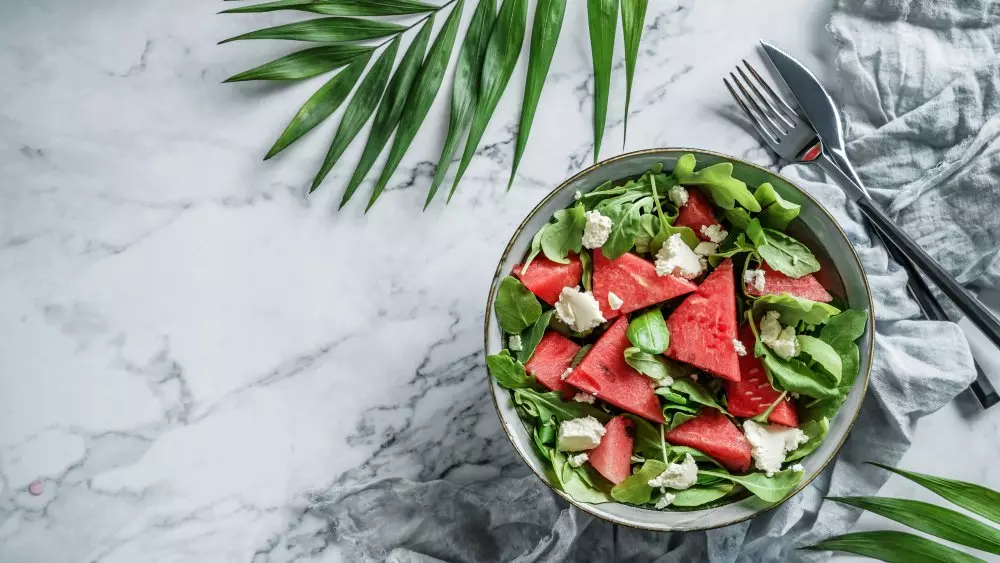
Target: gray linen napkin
[{"x": 922, "y": 98}]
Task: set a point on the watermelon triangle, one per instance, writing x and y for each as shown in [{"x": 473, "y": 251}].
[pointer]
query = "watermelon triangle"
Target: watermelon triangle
[
  {"x": 546, "y": 279},
  {"x": 775, "y": 283},
  {"x": 552, "y": 357},
  {"x": 753, "y": 394},
  {"x": 604, "y": 373},
  {"x": 698, "y": 212},
  {"x": 612, "y": 458},
  {"x": 703, "y": 327},
  {"x": 713, "y": 434},
  {"x": 635, "y": 282}
]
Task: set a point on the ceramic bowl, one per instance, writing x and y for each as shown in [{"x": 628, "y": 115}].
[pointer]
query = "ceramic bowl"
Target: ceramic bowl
[{"x": 841, "y": 273}]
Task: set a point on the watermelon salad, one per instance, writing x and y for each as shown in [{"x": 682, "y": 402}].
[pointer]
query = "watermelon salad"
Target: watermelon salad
[{"x": 669, "y": 346}]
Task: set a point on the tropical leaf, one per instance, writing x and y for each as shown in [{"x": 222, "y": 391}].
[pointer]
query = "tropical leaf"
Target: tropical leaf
[
  {"x": 340, "y": 7},
  {"x": 894, "y": 547},
  {"x": 633, "y": 18},
  {"x": 602, "y": 17},
  {"x": 974, "y": 498},
  {"x": 304, "y": 64},
  {"x": 465, "y": 88},
  {"x": 391, "y": 107},
  {"x": 320, "y": 105},
  {"x": 325, "y": 30},
  {"x": 502, "y": 51},
  {"x": 544, "y": 36},
  {"x": 359, "y": 109},
  {"x": 421, "y": 97}
]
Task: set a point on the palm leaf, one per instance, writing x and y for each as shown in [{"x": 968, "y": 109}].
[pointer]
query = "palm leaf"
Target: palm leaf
[
  {"x": 633, "y": 18},
  {"x": 974, "y": 498},
  {"x": 944, "y": 523},
  {"x": 359, "y": 109},
  {"x": 544, "y": 36},
  {"x": 465, "y": 88},
  {"x": 894, "y": 547},
  {"x": 421, "y": 97},
  {"x": 325, "y": 30},
  {"x": 340, "y": 7},
  {"x": 502, "y": 51},
  {"x": 391, "y": 107},
  {"x": 602, "y": 17},
  {"x": 320, "y": 105},
  {"x": 304, "y": 64}
]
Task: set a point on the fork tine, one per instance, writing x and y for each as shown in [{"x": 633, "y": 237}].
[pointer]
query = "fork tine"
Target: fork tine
[
  {"x": 765, "y": 134},
  {"x": 774, "y": 96},
  {"x": 768, "y": 106},
  {"x": 762, "y": 116}
]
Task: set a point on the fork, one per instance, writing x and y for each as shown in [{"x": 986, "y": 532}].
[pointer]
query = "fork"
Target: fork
[{"x": 789, "y": 134}]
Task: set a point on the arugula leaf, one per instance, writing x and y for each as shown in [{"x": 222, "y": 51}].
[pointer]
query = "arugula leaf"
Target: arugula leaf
[
  {"x": 536, "y": 247},
  {"x": 624, "y": 228},
  {"x": 737, "y": 245},
  {"x": 782, "y": 252},
  {"x": 602, "y": 18},
  {"x": 648, "y": 227},
  {"x": 649, "y": 332},
  {"x": 517, "y": 308},
  {"x": 718, "y": 181},
  {"x": 670, "y": 396},
  {"x": 587, "y": 278},
  {"x": 841, "y": 332},
  {"x": 696, "y": 393},
  {"x": 821, "y": 353},
  {"x": 572, "y": 483},
  {"x": 895, "y": 547},
  {"x": 738, "y": 217},
  {"x": 778, "y": 212},
  {"x": 532, "y": 335},
  {"x": 816, "y": 431},
  {"x": 633, "y": 17},
  {"x": 794, "y": 310},
  {"x": 635, "y": 489},
  {"x": 647, "y": 437},
  {"x": 795, "y": 376},
  {"x": 680, "y": 418},
  {"x": 304, "y": 64},
  {"x": 769, "y": 489},
  {"x": 565, "y": 235},
  {"x": 544, "y": 436},
  {"x": 326, "y": 30},
  {"x": 678, "y": 452},
  {"x": 340, "y": 7},
  {"x": 549, "y": 405},
  {"x": 580, "y": 354},
  {"x": 651, "y": 365},
  {"x": 702, "y": 494},
  {"x": 508, "y": 372},
  {"x": 666, "y": 230},
  {"x": 765, "y": 415},
  {"x": 974, "y": 498}
]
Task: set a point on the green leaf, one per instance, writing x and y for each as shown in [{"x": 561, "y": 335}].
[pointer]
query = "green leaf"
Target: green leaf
[
  {"x": 517, "y": 308},
  {"x": 738, "y": 217},
  {"x": 625, "y": 226},
  {"x": 647, "y": 437},
  {"x": 635, "y": 489},
  {"x": 649, "y": 333},
  {"x": 782, "y": 252},
  {"x": 572, "y": 483},
  {"x": 549, "y": 405},
  {"x": 532, "y": 335},
  {"x": 794, "y": 310},
  {"x": 944, "y": 523},
  {"x": 777, "y": 211},
  {"x": 326, "y": 30},
  {"x": 650, "y": 365},
  {"x": 821, "y": 353},
  {"x": 421, "y": 97},
  {"x": 391, "y": 107},
  {"x": 795, "y": 376},
  {"x": 974, "y": 498},
  {"x": 702, "y": 494},
  {"x": 508, "y": 372},
  {"x": 680, "y": 418},
  {"x": 695, "y": 392},
  {"x": 544, "y": 36},
  {"x": 304, "y": 64},
  {"x": 737, "y": 245},
  {"x": 587, "y": 263},
  {"x": 718, "y": 181},
  {"x": 565, "y": 235},
  {"x": 633, "y": 18},
  {"x": 320, "y": 105},
  {"x": 894, "y": 547},
  {"x": 602, "y": 19},
  {"x": 536, "y": 247},
  {"x": 501, "y": 56},
  {"x": 359, "y": 109},
  {"x": 465, "y": 88},
  {"x": 841, "y": 332},
  {"x": 769, "y": 489},
  {"x": 816, "y": 430},
  {"x": 340, "y": 7}
]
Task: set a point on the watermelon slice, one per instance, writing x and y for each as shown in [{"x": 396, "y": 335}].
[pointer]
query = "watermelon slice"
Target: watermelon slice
[
  {"x": 551, "y": 359},
  {"x": 613, "y": 456},
  {"x": 634, "y": 281},
  {"x": 698, "y": 212},
  {"x": 806, "y": 287},
  {"x": 703, "y": 327},
  {"x": 753, "y": 394},
  {"x": 604, "y": 373},
  {"x": 546, "y": 279},
  {"x": 713, "y": 434}
]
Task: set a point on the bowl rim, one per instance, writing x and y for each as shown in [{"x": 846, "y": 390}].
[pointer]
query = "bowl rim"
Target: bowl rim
[{"x": 585, "y": 507}]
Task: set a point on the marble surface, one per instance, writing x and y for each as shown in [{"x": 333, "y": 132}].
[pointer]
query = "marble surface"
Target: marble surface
[{"x": 191, "y": 344}]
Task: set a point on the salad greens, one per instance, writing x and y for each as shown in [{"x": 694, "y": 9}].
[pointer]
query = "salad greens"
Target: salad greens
[
  {"x": 517, "y": 308},
  {"x": 649, "y": 332}
]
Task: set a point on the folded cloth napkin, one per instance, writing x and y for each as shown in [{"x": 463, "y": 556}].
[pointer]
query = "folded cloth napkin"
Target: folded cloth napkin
[{"x": 922, "y": 95}]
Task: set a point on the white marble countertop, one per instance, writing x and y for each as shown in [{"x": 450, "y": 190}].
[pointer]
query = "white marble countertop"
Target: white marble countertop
[{"x": 191, "y": 344}]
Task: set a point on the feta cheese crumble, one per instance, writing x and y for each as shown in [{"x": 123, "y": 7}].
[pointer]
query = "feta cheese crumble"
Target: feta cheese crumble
[
  {"x": 666, "y": 500},
  {"x": 596, "y": 230},
  {"x": 678, "y": 195},
  {"x": 797, "y": 468},
  {"x": 741, "y": 350},
  {"x": 577, "y": 460},
  {"x": 566, "y": 373},
  {"x": 678, "y": 476},
  {"x": 666, "y": 382},
  {"x": 770, "y": 443},
  {"x": 577, "y": 195},
  {"x": 614, "y": 301},
  {"x": 514, "y": 343},
  {"x": 781, "y": 340},
  {"x": 676, "y": 258},
  {"x": 754, "y": 278},
  {"x": 706, "y": 248},
  {"x": 579, "y": 434},
  {"x": 578, "y": 309},
  {"x": 584, "y": 398},
  {"x": 714, "y": 233}
]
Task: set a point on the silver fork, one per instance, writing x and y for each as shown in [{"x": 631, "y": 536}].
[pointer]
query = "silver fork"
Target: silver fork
[{"x": 789, "y": 134}]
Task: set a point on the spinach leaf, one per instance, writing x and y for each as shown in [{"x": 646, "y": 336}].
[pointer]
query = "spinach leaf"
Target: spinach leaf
[
  {"x": 532, "y": 335},
  {"x": 821, "y": 353},
  {"x": 678, "y": 452},
  {"x": 795, "y": 376},
  {"x": 544, "y": 437},
  {"x": 549, "y": 405},
  {"x": 507, "y": 370},
  {"x": 624, "y": 228},
  {"x": 680, "y": 418},
  {"x": 648, "y": 227},
  {"x": 782, "y": 252},
  {"x": 816, "y": 430},
  {"x": 650, "y": 365},
  {"x": 536, "y": 247},
  {"x": 670, "y": 396},
  {"x": 649, "y": 333},
  {"x": 778, "y": 212},
  {"x": 702, "y": 494},
  {"x": 572, "y": 483},
  {"x": 695, "y": 392},
  {"x": 794, "y": 309},
  {"x": 840, "y": 332},
  {"x": 588, "y": 271},
  {"x": 635, "y": 489},
  {"x": 738, "y": 217},
  {"x": 565, "y": 235},
  {"x": 666, "y": 230},
  {"x": 718, "y": 180},
  {"x": 647, "y": 437},
  {"x": 769, "y": 489},
  {"x": 516, "y": 307}
]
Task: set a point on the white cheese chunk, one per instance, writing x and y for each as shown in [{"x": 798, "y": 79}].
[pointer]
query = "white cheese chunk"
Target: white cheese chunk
[
  {"x": 579, "y": 434},
  {"x": 678, "y": 195},
  {"x": 741, "y": 350},
  {"x": 614, "y": 301},
  {"x": 798, "y": 467},
  {"x": 566, "y": 373},
  {"x": 706, "y": 248},
  {"x": 676, "y": 258},
  {"x": 514, "y": 343},
  {"x": 678, "y": 476},
  {"x": 781, "y": 340},
  {"x": 770, "y": 443},
  {"x": 577, "y": 195},
  {"x": 666, "y": 382},
  {"x": 666, "y": 500},
  {"x": 578, "y": 459},
  {"x": 714, "y": 233},
  {"x": 754, "y": 278},
  {"x": 596, "y": 230},
  {"x": 584, "y": 398},
  {"x": 579, "y": 309}
]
